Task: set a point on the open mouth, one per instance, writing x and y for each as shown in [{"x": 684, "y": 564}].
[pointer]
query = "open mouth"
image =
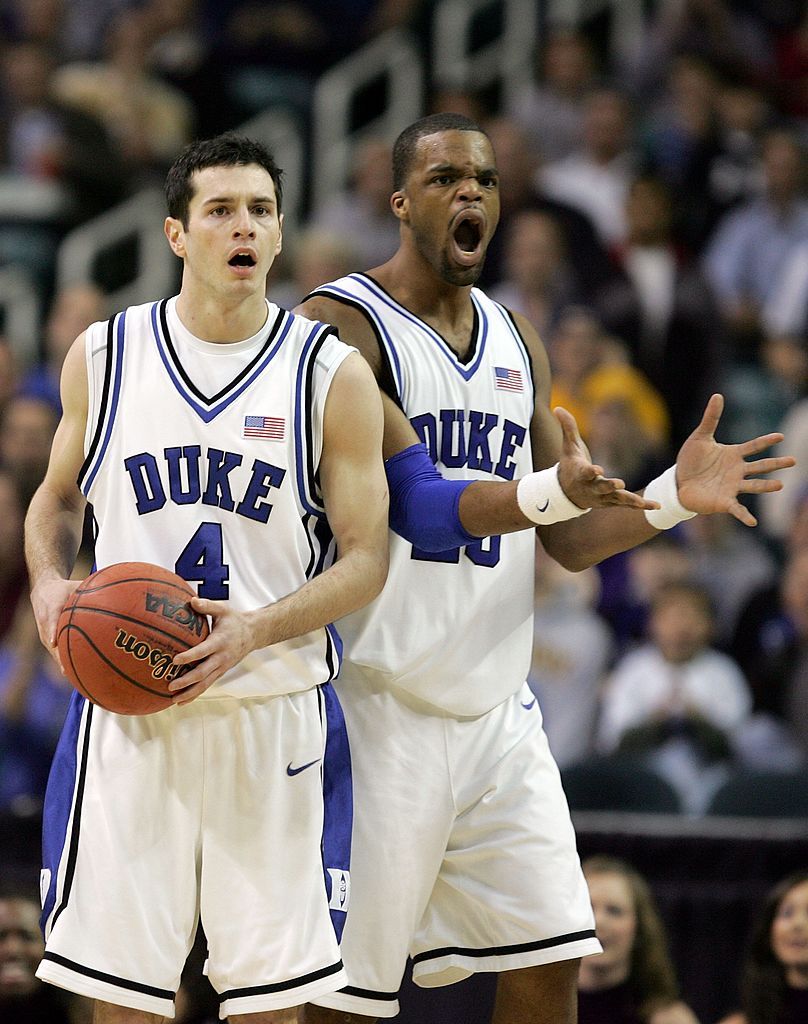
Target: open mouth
[
  {"x": 242, "y": 259},
  {"x": 467, "y": 236}
]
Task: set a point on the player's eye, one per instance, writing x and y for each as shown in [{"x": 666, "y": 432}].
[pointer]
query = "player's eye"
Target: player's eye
[{"x": 489, "y": 181}]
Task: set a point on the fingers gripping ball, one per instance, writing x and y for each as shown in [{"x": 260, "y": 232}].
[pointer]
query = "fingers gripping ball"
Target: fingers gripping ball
[{"x": 119, "y": 631}]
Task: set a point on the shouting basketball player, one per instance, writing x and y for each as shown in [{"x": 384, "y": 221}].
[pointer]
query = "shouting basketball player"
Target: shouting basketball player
[
  {"x": 464, "y": 855},
  {"x": 239, "y": 446}
]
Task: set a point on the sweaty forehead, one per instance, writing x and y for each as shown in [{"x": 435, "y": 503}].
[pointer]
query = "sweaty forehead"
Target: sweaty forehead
[{"x": 455, "y": 148}]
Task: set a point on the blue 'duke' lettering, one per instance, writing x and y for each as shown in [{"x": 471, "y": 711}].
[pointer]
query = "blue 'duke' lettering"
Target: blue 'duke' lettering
[
  {"x": 459, "y": 438},
  {"x": 192, "y": 479}
]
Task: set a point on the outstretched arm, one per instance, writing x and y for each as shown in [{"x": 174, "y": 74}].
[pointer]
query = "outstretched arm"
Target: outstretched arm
[
  {"x": 709, "y": 478},
  {"x": 355, "y": 495}
]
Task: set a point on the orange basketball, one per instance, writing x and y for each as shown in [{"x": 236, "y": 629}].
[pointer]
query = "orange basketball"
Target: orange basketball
[{"x": 119, "y": 631}]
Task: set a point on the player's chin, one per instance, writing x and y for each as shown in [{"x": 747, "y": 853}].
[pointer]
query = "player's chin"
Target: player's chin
[{"x": 461, "y": 275}]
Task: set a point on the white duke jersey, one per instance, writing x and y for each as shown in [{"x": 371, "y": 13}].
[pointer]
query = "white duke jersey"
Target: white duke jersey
[
  {"x": 453, "y": 628},
  {"x": 221, "y": 489}
]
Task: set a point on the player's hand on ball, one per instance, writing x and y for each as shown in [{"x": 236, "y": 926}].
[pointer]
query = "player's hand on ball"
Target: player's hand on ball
[
  {"x": 47, "y": 600},
  {"x": 710, "y": 476},
  {"x": 583, "y": 482},
  {"x": 231, "y": 639}
]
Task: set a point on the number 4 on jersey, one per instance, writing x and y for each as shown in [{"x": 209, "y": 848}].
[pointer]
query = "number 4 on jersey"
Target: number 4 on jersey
[{"x": 202, "y": 561}]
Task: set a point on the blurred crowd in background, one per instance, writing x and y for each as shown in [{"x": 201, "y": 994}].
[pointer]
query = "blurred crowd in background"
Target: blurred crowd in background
[{"x": 654, "y": 230}]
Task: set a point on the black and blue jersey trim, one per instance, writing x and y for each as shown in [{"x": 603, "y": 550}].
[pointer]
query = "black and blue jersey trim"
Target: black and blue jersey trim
[
  {"x": 110, "y": 393},
  {"x": 60, "y": 802},
  {"x": 281, "y": 986},
  {"x": 521, "y": 947},
  {"x": 110, "y": 979}
]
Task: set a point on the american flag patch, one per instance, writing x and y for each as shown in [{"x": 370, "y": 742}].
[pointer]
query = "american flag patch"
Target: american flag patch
[
  {"x": 270, "y": 427},
  {"x": 507, "y": 380}
]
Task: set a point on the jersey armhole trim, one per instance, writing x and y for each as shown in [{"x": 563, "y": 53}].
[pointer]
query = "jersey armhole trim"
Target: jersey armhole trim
[
  {"x": 386, "y": 379},
  {"x": 109, "y": 396}
]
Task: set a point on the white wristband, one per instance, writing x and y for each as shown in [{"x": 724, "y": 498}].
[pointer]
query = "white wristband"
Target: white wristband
[
  {"x": 541, "y": 499},
  {"x": 671, "y": 511}
]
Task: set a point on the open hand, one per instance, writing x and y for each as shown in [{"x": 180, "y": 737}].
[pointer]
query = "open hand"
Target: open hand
[
  {"x": 583, "y": 482},
  {"x": 710, "y": 476}
]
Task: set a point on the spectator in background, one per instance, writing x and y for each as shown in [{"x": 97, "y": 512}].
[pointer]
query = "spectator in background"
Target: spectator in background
[
  {"x": 572, "y": 649},
  {"x": 13, "y": 575},
  {"x": 771, "y": 642},
  {"x": 749, "y": 251},
  {"x": 9, "y": 372},
  {"x": 316, "y": 255},
  {"x": 149, "y": 119},
  {"x": 61, "y": 152},
  {"x": 777, "y": 517},
  {"x": 520, "y": 189},
  {"x": 576, "y": 348},
  {"x": 633, "y": 980},
  {"x": 26, "y": 431},
  {"x": 23, "y": 998},
  {"x": 731, "y": 564},
  {"x": 550, "y": 109},
  {"x": 539, "y": 281},
  {"x": 679, "y": 140},
  {"x": 595, "y": 178},
  {"x": 774, "y": 982},
  {"x": 34, "y": 697},
  {"x": 361, "y": 214},
  {"x": 627, "y": 426},
  {"x": 73, "y": 308},
  {"x": 661, "y": 306},
  {"x": 675, "y": 700}
]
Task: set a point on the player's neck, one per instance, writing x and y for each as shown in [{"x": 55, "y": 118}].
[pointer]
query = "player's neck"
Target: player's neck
[
  {"x": 416, "y": 286},
  {"x": 211, "y": 318}
]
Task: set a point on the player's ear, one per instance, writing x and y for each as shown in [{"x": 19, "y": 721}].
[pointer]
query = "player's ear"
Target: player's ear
[
  {"x": 279, "y": 246},
  {"x": 176, "y": 235},
  {"x": 400, "y": 205}
]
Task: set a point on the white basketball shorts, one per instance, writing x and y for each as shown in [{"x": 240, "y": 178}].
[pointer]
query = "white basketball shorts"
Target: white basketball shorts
[
  {"x": 463, "y": 856},
  {"x": 235, "y": 810}
]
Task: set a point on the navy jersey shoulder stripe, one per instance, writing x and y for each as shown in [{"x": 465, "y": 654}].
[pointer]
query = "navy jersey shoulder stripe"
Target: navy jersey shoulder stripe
[
  {"x": 386, "y": 378},
  {"x": 113, "y": 372}
]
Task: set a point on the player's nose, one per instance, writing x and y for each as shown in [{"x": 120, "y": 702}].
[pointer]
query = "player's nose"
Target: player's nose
[
  {"x": 243, "y": 226},
  {"x": 469, "y": 190}
]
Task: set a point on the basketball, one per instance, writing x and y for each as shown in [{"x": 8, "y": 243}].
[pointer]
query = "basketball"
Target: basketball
[{"x": 120, "y": 629}]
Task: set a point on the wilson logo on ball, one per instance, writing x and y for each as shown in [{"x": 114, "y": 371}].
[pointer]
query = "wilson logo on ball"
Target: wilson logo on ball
[
  {"x": 182, "y": 614},
  {"x": 159, "y": 661}
]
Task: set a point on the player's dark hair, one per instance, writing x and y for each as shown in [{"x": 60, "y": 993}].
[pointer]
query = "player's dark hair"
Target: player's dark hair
[
  {"x": 226, "y": 150},
  {"x": 763, "y": 984},
  {"x": 404, "y": 147}
]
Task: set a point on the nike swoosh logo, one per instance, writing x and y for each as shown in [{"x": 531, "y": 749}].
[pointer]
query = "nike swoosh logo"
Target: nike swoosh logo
[
  {"x": 296, "y": 771},
  {"x": 544, "y": 507},
  {"x": 527, "y": 707}
]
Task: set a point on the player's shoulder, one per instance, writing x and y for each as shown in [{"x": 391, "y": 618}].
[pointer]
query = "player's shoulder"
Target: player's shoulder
[{"x": 336, "y": 303}]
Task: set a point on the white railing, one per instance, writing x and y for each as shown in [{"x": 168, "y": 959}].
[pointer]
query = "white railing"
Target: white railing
[
  {"x": 394, "y": 57},
  {"x": 20, "y": 303},
  {"x": 507, "y": 60},
  {"x": 141, "y": 218}
]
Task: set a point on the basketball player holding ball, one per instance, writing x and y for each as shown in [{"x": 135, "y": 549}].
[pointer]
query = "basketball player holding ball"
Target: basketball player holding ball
[{"x": 238, "y": 446}]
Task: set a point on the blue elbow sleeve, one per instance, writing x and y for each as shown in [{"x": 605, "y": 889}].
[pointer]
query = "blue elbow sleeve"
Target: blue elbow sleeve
[{"x": 423, "y": 504}]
